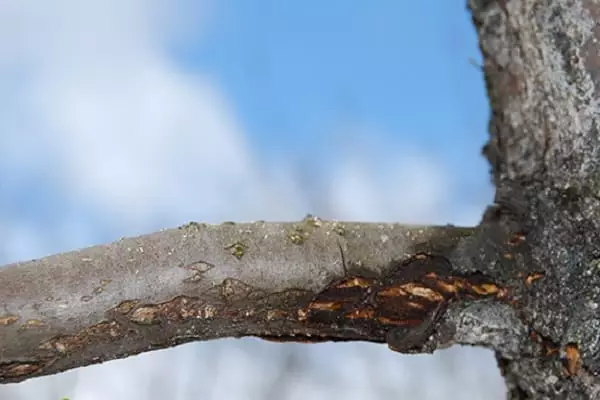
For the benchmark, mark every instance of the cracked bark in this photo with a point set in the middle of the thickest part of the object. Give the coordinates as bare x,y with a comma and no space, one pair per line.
541,68
525,282
308,281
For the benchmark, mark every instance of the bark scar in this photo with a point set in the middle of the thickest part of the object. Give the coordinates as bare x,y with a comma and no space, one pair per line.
401,308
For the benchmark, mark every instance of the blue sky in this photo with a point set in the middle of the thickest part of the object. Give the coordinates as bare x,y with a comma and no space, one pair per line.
297,67
302,72
122,117
308,83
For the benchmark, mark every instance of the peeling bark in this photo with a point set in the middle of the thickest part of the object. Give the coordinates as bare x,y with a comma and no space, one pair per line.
308,281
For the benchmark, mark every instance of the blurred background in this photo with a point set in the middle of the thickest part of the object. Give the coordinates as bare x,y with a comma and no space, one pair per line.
119,118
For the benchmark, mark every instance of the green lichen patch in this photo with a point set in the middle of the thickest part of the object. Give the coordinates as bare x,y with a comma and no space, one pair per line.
237,249
462,232
298,236
340,229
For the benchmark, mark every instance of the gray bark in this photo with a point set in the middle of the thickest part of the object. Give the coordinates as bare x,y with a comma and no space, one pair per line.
541,68
525,282
201,282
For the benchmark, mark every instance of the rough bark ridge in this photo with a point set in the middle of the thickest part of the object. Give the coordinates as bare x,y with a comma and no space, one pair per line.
542,71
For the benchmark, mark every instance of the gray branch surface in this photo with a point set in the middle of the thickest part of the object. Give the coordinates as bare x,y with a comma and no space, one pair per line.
201,282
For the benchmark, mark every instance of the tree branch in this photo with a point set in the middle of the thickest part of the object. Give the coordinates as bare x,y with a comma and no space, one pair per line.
308,281
524,282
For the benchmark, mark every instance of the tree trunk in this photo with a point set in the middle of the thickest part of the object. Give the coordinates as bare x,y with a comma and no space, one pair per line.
541,68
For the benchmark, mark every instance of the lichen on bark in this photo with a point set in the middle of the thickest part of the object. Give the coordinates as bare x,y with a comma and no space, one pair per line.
541,68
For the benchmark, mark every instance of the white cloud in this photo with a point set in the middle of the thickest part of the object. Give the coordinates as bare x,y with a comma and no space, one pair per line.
94,102
102,106
375,183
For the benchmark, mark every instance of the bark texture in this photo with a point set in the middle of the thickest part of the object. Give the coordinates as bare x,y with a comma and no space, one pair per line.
308,281
525,282
542,69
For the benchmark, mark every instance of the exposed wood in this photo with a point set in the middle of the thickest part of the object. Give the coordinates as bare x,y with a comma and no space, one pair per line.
282,281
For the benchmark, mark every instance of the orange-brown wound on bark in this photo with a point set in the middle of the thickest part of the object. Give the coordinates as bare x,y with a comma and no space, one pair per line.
15,369
517,238
355,281
486,289
411,289
367,313
325,305
448,288
406,296
414,304
533,277
277,314
8,319
572,359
